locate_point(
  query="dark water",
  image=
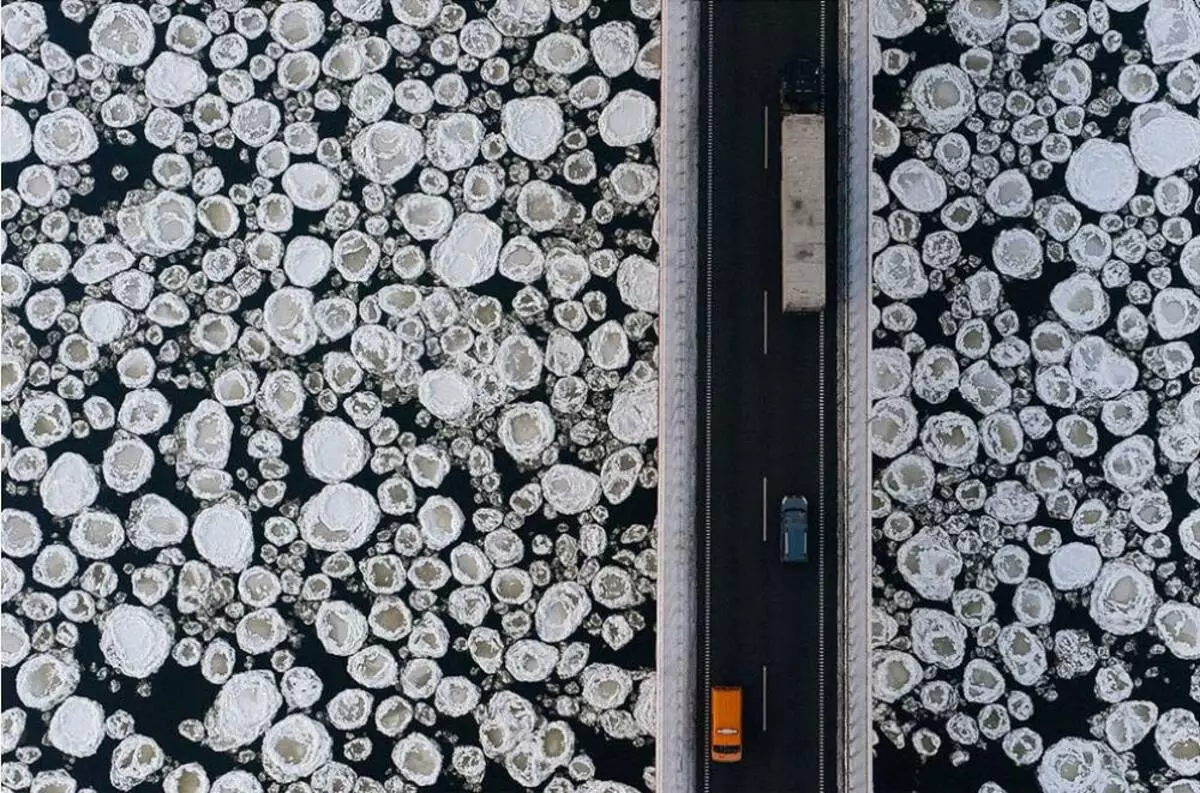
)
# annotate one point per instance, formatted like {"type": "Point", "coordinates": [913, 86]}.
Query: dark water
{"type": "Point", "coordinates": [1062, 707]}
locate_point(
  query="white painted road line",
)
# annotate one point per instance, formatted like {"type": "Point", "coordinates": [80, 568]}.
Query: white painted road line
{"type": "Point", "coordinates": [766, 138]}
{"type": "Point", "coordinates": [765, 316]}
{"type": "Point", "coordinates": [764, 509]}
{"type": "Point", "coordinates": [764, 699]}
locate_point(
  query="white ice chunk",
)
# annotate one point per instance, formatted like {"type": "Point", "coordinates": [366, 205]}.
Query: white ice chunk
{"type": "Point", "coordinates": [633, 417]}
{"type": "Point", "coordinates": [63, 137]}
{"type": "Point", "coordinates": [242, 711]}
{"type": "Point", "coordinates": [530, 661]}
{"type": "Point", "coordinates": [387, 151]}
{"type": "Point", "coordinates": [446, 394]}
{"type": "Point", "coordinates": [1164, 140]}
{"type": "Point", "coordinates": [614, 47]}
{"type": "Point", "coordinates": [452, 141]}
{"type": "Point", "coordinates": [560, 53]}
{"type": "Point", "coordinates": [938, 638]}
{"type": "Point", "coordinates": [289, 321]}
{"type": "Point", "coordinates": [628, 119]}
{"type": "Point", "coordinates": [1010, 195]}
{"type": "Point", "coordinates": [224, 537]}
{"type": "Point", "coordinates": [441, 521]}
{"type": "Point", "coordinates": [1017, 253]}
{"type": "Point", "coordinates": [1177, 738]}
{"type": "Point", "coordinates": [122, 33]}
{"type": "Point", "coordinates": [1023, 654]}
{"type": "Point", "coordinates": [899, 273]}
{"type": "Point", "coordinates": [342, 629]}
{"type": "Point", "coordinates": [419, 759]}
{"type": "Point", "coordinates": [1178, 625]}
{"type": "Point", "coordinates": [561, 610]}
{"type": "Point", "coordinates": [1081, 302]}
{"type": "Point", "coordinates": [570, 490]}
{"type": "Point", "coordinates": [1101, 371]}
{"type": "Point", "coordinates": [1175, 312]}
{"type": "Point", "coordinates": [173, 80]}
{"type": "Point", "coordinates": [1072, 765]}
{"type": "Point", "coordinates": [943, 95]}
{"type": "Point", "coordinates": [1122, 599]}
{"type": "Point", "coordinates": [929, 563]}
{"type": "Point", "coordinates": [134, 760]}
{"type": "Point", "coordinates": [1102, 175]}
{"type": "Point", "coordinates": [1130, 463]}
{"type": "Point", "coordinates": [1074, 565]}
{"type": "Point", "coordinates": [341, 517]}
{"type": "Point", "coordinates": [1189, 534]}
{"type": "Point", "coordinates": [917, 186]}
{"type": "Point", "coordinates": [311, 186]}
{"type": "Point", "coordinates": [533, 126]}
{"type": "Point", "coordinates": [468, 254]}
{"type": "Point", "coordinates": [295, 747]}
{"type": "Point", "coordinates": [1172, 29]}
{"type": "Point", "coordinates": [16, 134]}
{"type": "Point", "coordinates": [982, 681]}
{"type": "Point", "coordinates": [69, 485]}
{"type": "Point", "coordinates": [895, 675]}
{"type": "Point", "coordinates": [978, 22]}
{"type": "Point", "coordinates": [298, 25]}
{"type": "Point", "coordinates": [333, 450]}
{"type": "Point", "coordinates": [526, 430]}
{"type": "Point", "coordinates": [77, 727]}
{"type": "Point", "coordinates": [134, 641]}
{"type": "Point", "coordinates": [909, 479]}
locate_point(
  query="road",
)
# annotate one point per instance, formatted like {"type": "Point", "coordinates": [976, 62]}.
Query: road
{"type": "Point", "coordinates": [766, 626]}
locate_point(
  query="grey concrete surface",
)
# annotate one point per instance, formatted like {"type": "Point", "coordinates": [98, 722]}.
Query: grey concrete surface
{"type": "Point", "coordinates": [675, 750]}
{"type": "Point", "coordinates": [854, 713]}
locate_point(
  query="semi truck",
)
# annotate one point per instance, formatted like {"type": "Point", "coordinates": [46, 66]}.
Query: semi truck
{"type": "Point", "coordinates": [802, 189]}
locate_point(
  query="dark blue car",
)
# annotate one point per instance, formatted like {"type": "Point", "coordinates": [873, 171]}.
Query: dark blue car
{"type": "Point", "coordinates": [793, 528]}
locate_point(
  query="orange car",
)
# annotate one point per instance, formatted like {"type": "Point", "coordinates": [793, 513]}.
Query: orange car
{"type": "Point", "coordinates": [726, 724]}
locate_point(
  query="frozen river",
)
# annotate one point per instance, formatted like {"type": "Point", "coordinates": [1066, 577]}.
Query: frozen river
{"type": "Point", "coordinates": [1036, 400]}
{"type": "Point", "coordinates": [330, 369]}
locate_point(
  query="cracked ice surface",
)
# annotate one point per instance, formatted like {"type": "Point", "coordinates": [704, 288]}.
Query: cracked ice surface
{"type": "Point", "coordinates": [1034, 395]}
{"type": "Point", "coordinates": [329, 387]}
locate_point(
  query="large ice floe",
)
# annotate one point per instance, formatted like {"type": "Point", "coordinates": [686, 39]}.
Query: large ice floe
{"type": "Point", "coordinates": [1035, 393]}
{"type": "Point", "coordinates": [329, 376]}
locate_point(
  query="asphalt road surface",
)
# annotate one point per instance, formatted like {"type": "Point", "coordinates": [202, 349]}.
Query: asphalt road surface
{"type": "Point", "coordinates": [761, 420]}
